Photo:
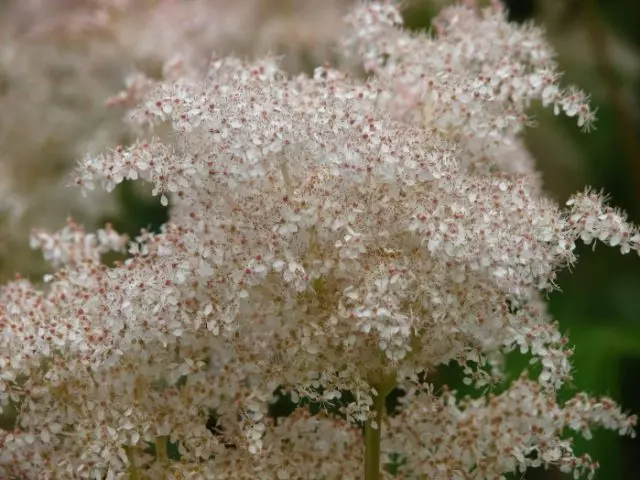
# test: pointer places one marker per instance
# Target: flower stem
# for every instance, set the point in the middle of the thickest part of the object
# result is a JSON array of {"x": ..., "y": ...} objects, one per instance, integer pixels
[
  {"x": 373, "y": 429},
  {"x": 162, "y": 455},
  {"x": 133, "y": 468},
  {"x": 161, "y": 449}
]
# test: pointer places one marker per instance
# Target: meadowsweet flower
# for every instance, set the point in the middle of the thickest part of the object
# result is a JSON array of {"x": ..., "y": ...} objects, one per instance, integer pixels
[
  {"x": 328, "y": 234},
  {"x": 62, "y": 61}
]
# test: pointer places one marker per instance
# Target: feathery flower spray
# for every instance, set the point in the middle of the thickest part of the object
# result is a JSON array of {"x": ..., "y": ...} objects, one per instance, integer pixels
[{"x": 328, "y": 234}]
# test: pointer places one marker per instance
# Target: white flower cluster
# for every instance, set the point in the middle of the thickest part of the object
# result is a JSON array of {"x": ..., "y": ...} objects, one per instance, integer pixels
[
  {"x": 518, "y": 429},
  {"x": 327, "y": 234},
  {"x": 61, "y": 61}
]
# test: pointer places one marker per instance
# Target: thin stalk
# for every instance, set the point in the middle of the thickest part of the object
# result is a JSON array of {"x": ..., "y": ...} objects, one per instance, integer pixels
[
  {"x": 133, "y": 467},
  {"x": 161, "y": 449},
  {"x": 162, "y": 455},
  {"x": 373, "y": 430}
]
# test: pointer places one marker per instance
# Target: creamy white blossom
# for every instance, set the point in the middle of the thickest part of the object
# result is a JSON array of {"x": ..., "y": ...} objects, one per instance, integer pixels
[{"x": 328, "y": 234}]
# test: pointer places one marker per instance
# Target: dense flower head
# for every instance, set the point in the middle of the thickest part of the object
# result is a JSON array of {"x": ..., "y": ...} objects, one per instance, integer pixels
[
  {"x": 61, "y": 61},
  {"x": 329, "y": 233}
]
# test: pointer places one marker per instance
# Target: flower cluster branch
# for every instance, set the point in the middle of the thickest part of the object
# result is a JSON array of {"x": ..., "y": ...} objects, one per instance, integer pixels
[{"x": 328, "y": 234}]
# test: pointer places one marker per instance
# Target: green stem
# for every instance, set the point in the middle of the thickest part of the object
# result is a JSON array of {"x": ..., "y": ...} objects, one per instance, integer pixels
[
  {"x": 133, "y": 468},
  {"x": 373, "y": 429},
  {"x": 161, "y": 449},
  {"x": 162, "y": 455}
]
